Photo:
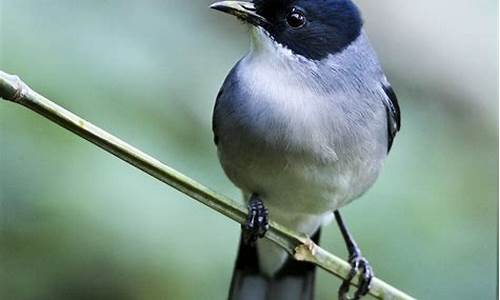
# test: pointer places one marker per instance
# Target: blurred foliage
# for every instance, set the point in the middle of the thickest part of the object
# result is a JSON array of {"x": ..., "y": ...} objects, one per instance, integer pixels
[{"x": 76, "y": 223}]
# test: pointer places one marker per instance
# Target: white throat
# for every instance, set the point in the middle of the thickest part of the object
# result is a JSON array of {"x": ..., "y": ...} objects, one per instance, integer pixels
[{"x": 262, "y": 44}]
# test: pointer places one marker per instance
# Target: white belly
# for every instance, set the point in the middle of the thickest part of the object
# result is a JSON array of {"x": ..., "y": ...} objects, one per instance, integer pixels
[{"x": 298, "y": 191}]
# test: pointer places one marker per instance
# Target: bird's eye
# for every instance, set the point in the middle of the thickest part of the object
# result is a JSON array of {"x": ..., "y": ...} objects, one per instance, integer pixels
[{"x": 296, "y": 18}]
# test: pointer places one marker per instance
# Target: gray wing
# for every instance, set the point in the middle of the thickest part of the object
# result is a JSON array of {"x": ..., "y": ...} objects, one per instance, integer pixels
[
  {"x": 393, "y": 114},
  {"x": 229, "y": 86},
  {"x": 214, "y": 123}
]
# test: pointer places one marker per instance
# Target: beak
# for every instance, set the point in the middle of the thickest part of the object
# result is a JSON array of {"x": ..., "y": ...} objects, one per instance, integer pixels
[{"x": 242, "y": 9}]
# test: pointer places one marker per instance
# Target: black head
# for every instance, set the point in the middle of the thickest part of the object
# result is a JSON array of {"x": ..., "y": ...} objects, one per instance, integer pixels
[{"x": 311, "y": 28}]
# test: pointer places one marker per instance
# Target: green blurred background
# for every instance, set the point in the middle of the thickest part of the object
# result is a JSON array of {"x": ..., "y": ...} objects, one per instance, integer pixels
[{"x": 77, "y": 223}]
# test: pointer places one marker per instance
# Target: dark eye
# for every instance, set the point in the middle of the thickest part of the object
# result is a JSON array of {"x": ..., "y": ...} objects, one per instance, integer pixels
[{"x": 296, "y": 18}]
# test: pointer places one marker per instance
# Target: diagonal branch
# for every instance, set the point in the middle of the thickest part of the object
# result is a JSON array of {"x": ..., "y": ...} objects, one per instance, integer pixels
[{"x": 299, "y": 246}]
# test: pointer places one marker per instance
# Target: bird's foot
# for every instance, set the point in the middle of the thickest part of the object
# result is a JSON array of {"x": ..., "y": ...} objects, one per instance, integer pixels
[
  {"x": 257, "y": 222},
  {"x": 358, "y": 264}
]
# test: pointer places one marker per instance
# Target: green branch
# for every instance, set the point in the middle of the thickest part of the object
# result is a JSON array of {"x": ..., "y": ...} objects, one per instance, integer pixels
[{"x": 299, "y": 246}]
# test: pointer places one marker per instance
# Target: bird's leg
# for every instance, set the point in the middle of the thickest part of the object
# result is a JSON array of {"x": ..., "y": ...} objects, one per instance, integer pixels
[
  {"x": 257, "y": 222},
  {"x": 358, "y": 263}
]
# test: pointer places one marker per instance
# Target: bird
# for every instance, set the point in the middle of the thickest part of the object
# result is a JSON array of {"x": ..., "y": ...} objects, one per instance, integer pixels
[{"x": 302, "y": 124}]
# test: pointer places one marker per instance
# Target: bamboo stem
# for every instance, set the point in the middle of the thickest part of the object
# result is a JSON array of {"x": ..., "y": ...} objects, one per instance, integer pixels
[{"x": 299, "y": 246}]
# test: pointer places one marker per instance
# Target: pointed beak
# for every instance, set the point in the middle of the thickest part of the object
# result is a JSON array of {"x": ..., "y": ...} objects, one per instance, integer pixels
[{"x": 242, "y": 9}]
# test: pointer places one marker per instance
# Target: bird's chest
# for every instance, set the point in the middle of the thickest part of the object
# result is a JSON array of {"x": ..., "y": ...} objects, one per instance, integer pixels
[
  {"x": 298, "y": 146},
  {"x": 270, "y": 106}
]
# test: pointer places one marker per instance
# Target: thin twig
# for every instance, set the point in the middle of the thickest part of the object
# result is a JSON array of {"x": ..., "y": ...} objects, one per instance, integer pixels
[{"x": 299, "y": 246}]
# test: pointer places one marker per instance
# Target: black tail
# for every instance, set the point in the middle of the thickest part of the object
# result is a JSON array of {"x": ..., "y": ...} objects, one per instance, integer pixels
[{"x": 295, "y": 281}]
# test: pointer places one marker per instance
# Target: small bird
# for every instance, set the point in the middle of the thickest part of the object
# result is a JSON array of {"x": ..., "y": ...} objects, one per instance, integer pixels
[{"x": 303, "y": 124}]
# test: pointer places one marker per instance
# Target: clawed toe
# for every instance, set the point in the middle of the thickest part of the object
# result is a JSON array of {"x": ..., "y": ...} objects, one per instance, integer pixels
[
  {"x": 257, "y": 222},
  {"x": 365, "y": 279},
  {"x": 358, "y": 264}
]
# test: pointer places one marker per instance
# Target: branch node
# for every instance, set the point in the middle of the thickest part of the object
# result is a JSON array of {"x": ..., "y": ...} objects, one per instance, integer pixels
[
  {"x": 306, "y": 251},
  {"x": 13, "y": 88}
]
